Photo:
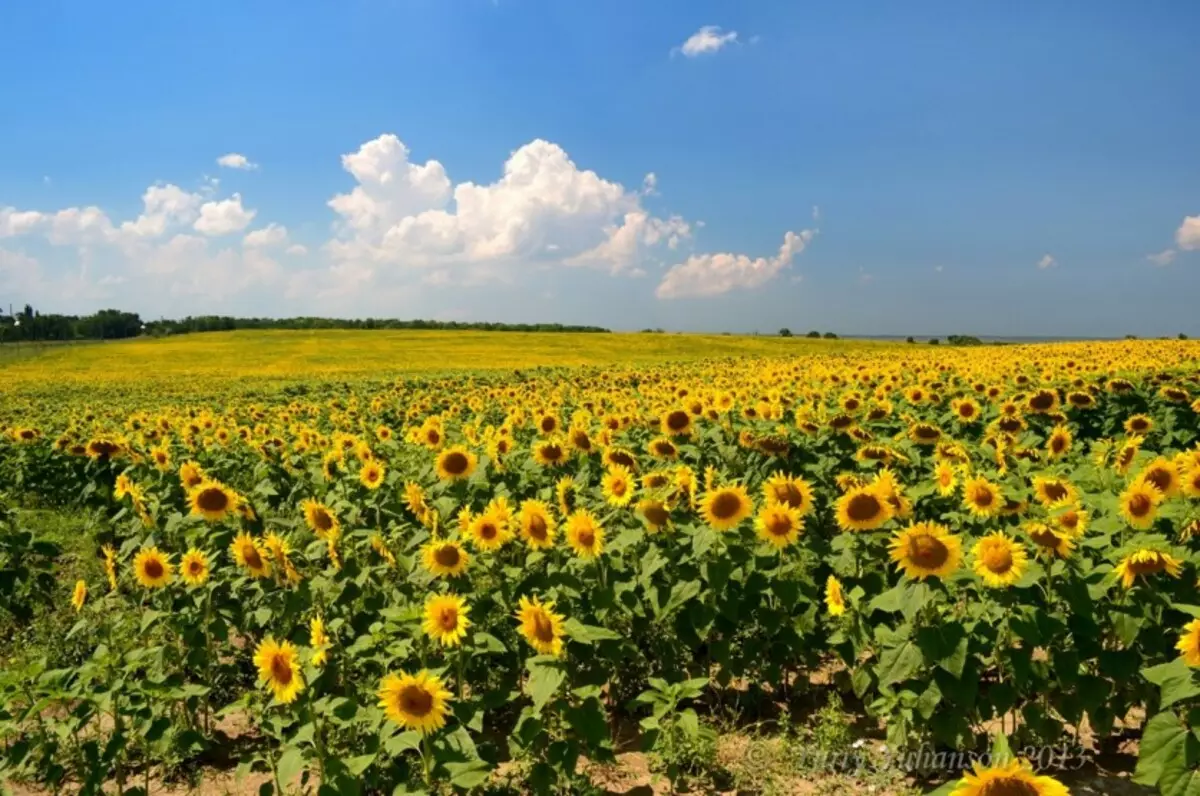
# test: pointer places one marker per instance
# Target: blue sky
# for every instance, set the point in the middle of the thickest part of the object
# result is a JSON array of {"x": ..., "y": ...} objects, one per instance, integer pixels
[{"x": 870, "y": 168}]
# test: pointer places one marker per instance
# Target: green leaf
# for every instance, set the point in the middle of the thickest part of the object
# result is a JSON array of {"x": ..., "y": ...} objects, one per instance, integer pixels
[
  {"x": 357, "y": 765},
  {"x": 589, "y": 634},
  {"x": 929, "y": 700},
  {"x": 1001, "y": 751},
  {"x": 291, "y": 763},
  {"x": 1162, "y": 754},
  {"x": 489, "y": 643},
  {"x": 1175, "y": 679},
  {"x": 945, "y": 645},
  {"x": 680, "y": 594},
  {"x": 891, "y": 601},
  {"x": 403, "y": 742},
  {"x": 689, "y": 722},
  {"x": 545, "y": 677},
  {"x": 897, "y": 664},
  {"x": 470, "y": 774}
]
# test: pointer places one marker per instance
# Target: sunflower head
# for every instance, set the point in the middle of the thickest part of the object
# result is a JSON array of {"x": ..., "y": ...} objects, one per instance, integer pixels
[
  {"x": 999, "y": 561},
  {"x": 446, "y": 619},
  {"x": 444, "y": 558},
  {"x": 212, "y": 500},
  {"x": 863, "y": 508},
  {"x": 778, "y": 524},
  {"x": 193, "y": 568},
  {"x": 835, "y": 598},
  {"x": 725, "y": 507},
  {"x": 278, "y": 667},
  {"x": 414, "y": 701},
  {"x": 152, "y": 568},
  {"x": 585, "y": 535},
  {"x": 541, "y": 626},
  {"x": 617, "y": 485},
  {"x": 1012, "y": 778},
  {"x": 536, "y": 524},
  {"x": 926, "y": 549},
  {"x": 455, "y": 464}
]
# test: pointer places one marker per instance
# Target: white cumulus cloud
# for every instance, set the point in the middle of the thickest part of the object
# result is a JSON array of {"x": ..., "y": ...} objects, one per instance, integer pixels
[
  {"x": 270, "y": 235},
  {"x": 1187, "y": 237},
  {"x": 709, "y": 39},
  {"x": 234, "y": 160},
  {"x": 1047, "y": 261},
  {"x": 224, "y": 216},
  {"x": 714, "y": 274},
  {"x": 1164, "y": 257}
]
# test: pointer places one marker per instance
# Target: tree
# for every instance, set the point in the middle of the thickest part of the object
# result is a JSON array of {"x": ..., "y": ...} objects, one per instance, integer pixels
[
  {"x": 934, "y": 341},
  {"x": 1182, "y": 336},
  {"x": 814, "y": 334},
  {"x": 830, "y": 336},
  {"x": 785, "y": 332},
  {"x": 909, "y": 339}
]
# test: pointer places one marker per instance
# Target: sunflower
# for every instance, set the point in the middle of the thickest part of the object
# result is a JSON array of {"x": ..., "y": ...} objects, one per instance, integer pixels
[
  {"x": 1189, "y": 643},
  {"x": 489, "y": 531},
  {"x": 1049, "y": 541},
  {"x": 863, "y": 508},
  {"x": 617, "y": 485},
  {"x": 1073, "y": 522},
  {"x": 1059, "y": 442},
  {"x": 999, "y": 561},
  {"x": 926, "y": 549},
  {"x": 1139, "y": 424},
  {"x": 371, "y": 474},
  {"x": 318, "y": 639},
  {"x": 794, "y": 491},
  {"x": 966, "y": 410},
  {"x": 655, "y": 513},
  {"x": 725, "y": 507},
  {"x": 332, "y": 464},
  {"x": 1146, "y": 561},
  {"x": 1127, "y": 454},
  {"x": 79, "y": 596},
  {"x": 676, "y": 423},
  {"x": 444, "y": 558},
  {"x": 662, "y": 448},
  {"x": 945, "y": 478},
  {"x": 1164, "y": 474},
  {"x": 414, "y": 701},
  {"x": 536, "y": 524},
  {"x": 564, "y": 491},
  {"x": 1014, "y": 778},
  {"x": 778, "y": 524},
  {"x": 152, "y": 568},
  {"x": 190, "y": 475},
  {"x": 924, "y": 433},
  {"x": 161, "y": 458},
  {"x": 550, "y": 452},
  {"x": 1053, "y": 491},
  {"x": 110, "y": 565},
  {"x": 835, "y": 599},
  {"x": 455, "y": 464},
  {"x": 982, "y": 498},
  {"x": 1191, "y": 482},
  {"x": 250, "y": 554},
  {"x": 193, "y": 567},
  {"x": 585, "y": 535},
  {"x": 446, "y": 619},
  {"x": 212, "y": 500},
  {"x": 621, "y": 456},
  {"x": 541, "y": 626},
  {"x": 279, "y": 669},
  {"x": 1042, "y": 402},
  {"x": 1139, "y": 504},
  {"x": 321, "y": 520}
]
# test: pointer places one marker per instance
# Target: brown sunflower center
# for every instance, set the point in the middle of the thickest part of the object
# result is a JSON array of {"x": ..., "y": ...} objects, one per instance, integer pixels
[
  {"x": 448, "y": 618},
  {"x": 619, "y": 487},
  {"x": 788, "y": 493},
  {"x": 586, "y": 537},
  {"x": 678, "y": 420},
  {"x": 281, "y": 670},
  {"x": 1042, "y": 401},
  {"x": 726, "y": 505},
  {"x": 535, "y": 526},
  {"x": 488, "y": 531},
  {"x": 864, "y": 507},
  {"x": 153, "y": 568},
  {"x": 322, "y": 520},
  {"x": 779, "y": 525},
  {"x": 1009, "y": 786},
  {"x": 1058, "y": 443},
  {"x": 195, "y": 566},
  {"x": 1140, "y": 505},
  {"x": 446, "y": 556},
  {"x": 622, "y": 458},
  {"x": 1139, "y": 424},
  {"x": 983, "y": 497},
  {"x": 664, "y": 448},
  {"x": 927, "y": 552},
  {"x": 966, "y": 410},
  {"x": 998, "y": 558},
  {"x": 552, "y": 452},
  {"x": 1055, "y": 491},
  {"x": 655, "y": 514},
  {"x": 1160, "y": 477},
  {"x": 212, "y": 499},
  {"x": 416, "y": 701},
  {"x": 455, "y": 462},
  {"x": 1044, "y": 537},
  {"x": 926, "y": 432},
  {"x": 251, "y": 556},
  {"x": 1070, "y": 520},
  {"x": 548, "y": 424},
  {"x": 1149, "y": 565},
  {"x": 543, "y": 628}
]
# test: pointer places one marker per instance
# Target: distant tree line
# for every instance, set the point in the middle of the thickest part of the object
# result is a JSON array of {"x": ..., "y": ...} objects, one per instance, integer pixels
[{"x": 31, "y": 325}]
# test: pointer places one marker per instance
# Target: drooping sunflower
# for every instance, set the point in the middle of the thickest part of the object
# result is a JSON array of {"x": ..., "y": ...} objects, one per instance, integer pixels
[
  {"x": 926, "y": 549},
  {"x": 414, "y": 701},
  {"x": 489, "y": 531},
  {"x": 1189, "y": 643},
  {"x": 321, "y": 520},
  {"x": 318, "y": 639},
  {"x": 835, "y": 598},
  {"x": 1049, "y": 541},
  {"x": 999, "y": 561},
  {"x": 1190, "y": 482},
  {"x": 550, "y": 452},
  {"x": 446, "y": 619},
  {"x": 1127, "y": 454},
  {"x": 1139, "y": 504},
  {"x": 193, "y": 567},
  {"x": 455, "y": 463},
  {"x": 1139, "y": 424},
  {"x": 152, "y": 568},
  {"x": 444, "y": 558},
  {"x": 655, "y": 513},
  {"x": 863, "y": 508},
  {"x": 585, "y": 535},
  {"x": 79, "y": 595},
  {"x": 1164, "y": 474},
  {"x": 1043, "y": 401},
  {"x": 662, "y": 448},
  {"x": 278, "y": 666},
  {"x": 190, "y": 475},
  {"x": 1052, "y": 491},
  {"x": 725, "y": 507},
  {"x": 1146, "y": 561},
  {"x": 982, "y": 498},
  {"x": 535, "y": 524},
  {"x": 617, "y": 486},
  {"x": 540, "y": 625},
  {"x": 1059, "y": 442},
  {"x": 564, "y": 492},
  {"x": 249, "y": 553},
  {"x": 792, "y": 490},
  {"x": 1014, "y": 778},
  {"x": 778, "y": 524},
  {"x": 371, "y": 474},
  {"x": 622, "y": 456}
]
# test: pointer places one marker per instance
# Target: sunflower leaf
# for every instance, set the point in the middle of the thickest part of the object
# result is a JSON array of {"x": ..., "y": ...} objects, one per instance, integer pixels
[
  {"x": 545, "y": 677},
  {"x": 897, "y": 664},
  {"x": 588, "y": 634},
  {"x": 1162, "y": 754},
  {"x": 1175, "y": 680}
]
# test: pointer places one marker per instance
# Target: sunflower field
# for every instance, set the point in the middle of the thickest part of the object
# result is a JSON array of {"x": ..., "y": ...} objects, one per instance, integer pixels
[{"x": 419, "y": 585}]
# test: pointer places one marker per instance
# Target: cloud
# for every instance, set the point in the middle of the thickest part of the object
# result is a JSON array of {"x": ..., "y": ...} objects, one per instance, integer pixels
[
  {"x": 270, "y": 235},
  {"x": 233, "y": 160},
  {"x": 163, "y": 205},
  {"x": 223, "y": 217},
  {"x": 714, "y": 274},
  {"x": 296, "y": 250},
  {"x": 1164, "y": 257},
  {"x": 1187, "y": 237},
  {"x": 709, "y": 39},
  {"x": 1047, "y": 261}
]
